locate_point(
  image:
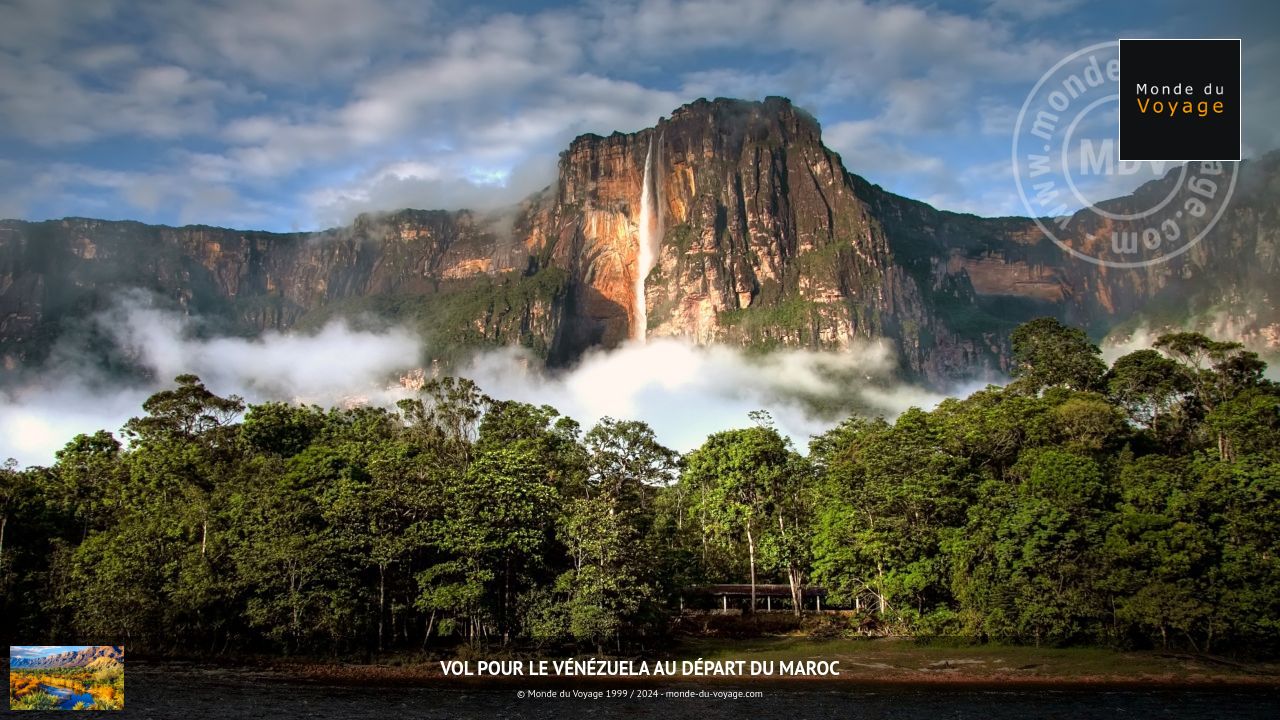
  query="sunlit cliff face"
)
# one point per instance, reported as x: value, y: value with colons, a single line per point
x: 649, y: 240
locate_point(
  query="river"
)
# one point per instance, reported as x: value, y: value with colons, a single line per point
x: 196, y: 693
x: 67, y: 699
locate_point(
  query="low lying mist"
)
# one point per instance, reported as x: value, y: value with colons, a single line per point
x: 1218, y: 326
x: 683, y: 390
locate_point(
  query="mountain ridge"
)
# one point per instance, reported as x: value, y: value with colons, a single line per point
x: 92, y: 656
x: 766, y: 240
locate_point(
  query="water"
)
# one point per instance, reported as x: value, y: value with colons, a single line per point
x: 196, y: 693
x: 649, y: 240
x: 67, y: 699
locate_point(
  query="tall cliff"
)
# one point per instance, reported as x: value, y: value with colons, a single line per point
x: 728, y: 222
x: 765, y: 239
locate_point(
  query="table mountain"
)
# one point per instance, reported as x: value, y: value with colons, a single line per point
x: 745, y: 229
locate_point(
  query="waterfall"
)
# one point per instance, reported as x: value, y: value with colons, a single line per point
x: 650, y: 237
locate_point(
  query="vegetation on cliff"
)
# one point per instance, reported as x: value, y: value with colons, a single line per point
x: 466, y: 315
x: 1133, y: 506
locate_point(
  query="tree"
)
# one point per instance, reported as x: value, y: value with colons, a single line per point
x: 1240, y: 497
x: 1158, y: 550
x: 1195, y: 349
x: 888, y: 494
x: 13, y: 488
x: 1147, y: 385
x: 92, y: 476
x: 1233, y: 371
x: 1148, y: 515
x: 608, y: 588
x: 738, y: 474
x: 383, y: 513
x: 610, y: 584
x: 790, y: 548
x: 495, y: 534
x: 280, y: 428
x: 9, y: 490
x: 626, y: 461
x: 188, y: 411
x: 1047, y: 353
x: 1248, y: 423
x: 1026, y: 562
x: 1087, y: 423
x: 296, y: 587
x: 446, y: 417
x: 181, y: 443
x: 993, y: 426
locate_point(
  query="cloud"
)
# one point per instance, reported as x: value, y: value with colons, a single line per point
x: 51, y: 104
x: 296, y: 112
x: 121, y: 194
x: 73, y: 396
x: 1236, y: 324
x: 979, y: 189
x: 806, y: 391
x: 294, y: 42
x: 1032, y: 9
x: 26, y: 652
x: 893, y: 40
x: 423, y: 185
x: 864, y: 147
x: 659, y: 381
x: 43, y: 28
x: 922, y: 105
x: 299, y: 366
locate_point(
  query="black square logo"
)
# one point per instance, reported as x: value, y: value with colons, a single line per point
x: 1180, y: 99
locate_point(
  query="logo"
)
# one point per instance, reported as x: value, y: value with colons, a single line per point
x: 1180, y: 99
x: 1082, y: 196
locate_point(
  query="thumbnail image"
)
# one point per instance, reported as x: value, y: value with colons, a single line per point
x: 66, y: 677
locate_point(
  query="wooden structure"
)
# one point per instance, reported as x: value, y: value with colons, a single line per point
x: 739, y: 596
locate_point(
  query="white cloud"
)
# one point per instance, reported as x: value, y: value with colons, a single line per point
x: 294, y: 42
x: 980, y: 189
x: 304, y: 100
x: 656, y: 383
x: 42, y: 28
x: 105, y: 58
x: 866, y: 149
x: 1033, y: 9
x: 50, y: 106
x: 418, y: 184
x: 40, y: 417
x: 198, y: 198
x: 921, y: 105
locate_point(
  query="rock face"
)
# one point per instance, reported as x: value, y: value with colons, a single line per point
x: 459, y: 275
x: 766, y: 241
x: 762, y: 238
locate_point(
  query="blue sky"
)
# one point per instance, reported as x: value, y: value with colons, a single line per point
x: 39, y: 651
x: 297, y: 114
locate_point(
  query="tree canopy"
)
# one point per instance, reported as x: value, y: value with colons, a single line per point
x: 1135, y: 505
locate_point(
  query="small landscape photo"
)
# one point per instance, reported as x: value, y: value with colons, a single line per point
x: 66, y: 677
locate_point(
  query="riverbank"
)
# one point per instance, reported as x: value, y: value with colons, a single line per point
x: 867, y: 661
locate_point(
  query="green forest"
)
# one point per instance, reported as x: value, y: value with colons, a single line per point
x: 1130, y: 506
